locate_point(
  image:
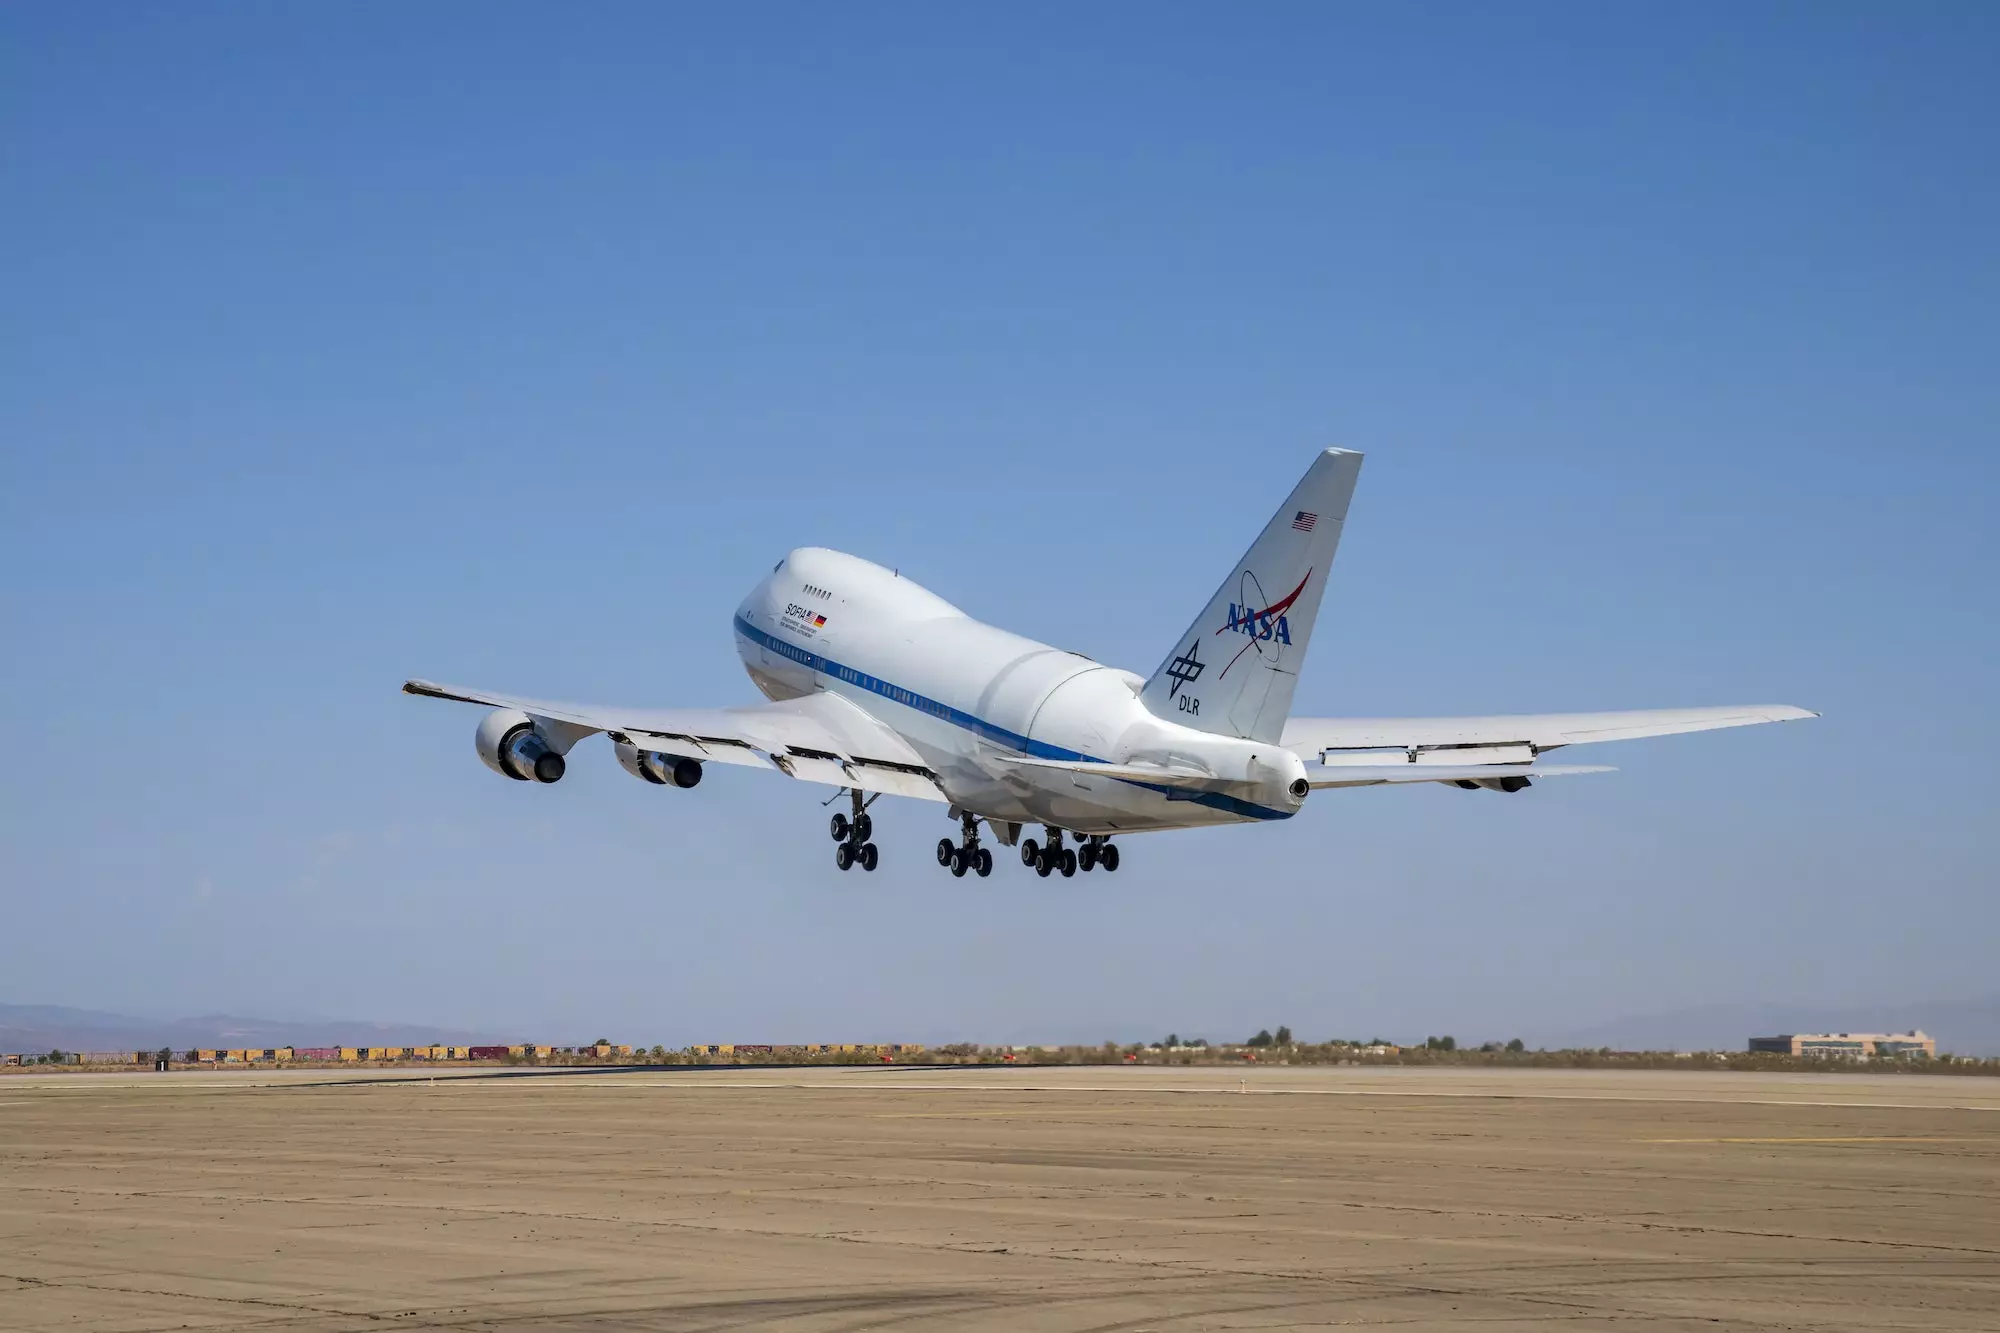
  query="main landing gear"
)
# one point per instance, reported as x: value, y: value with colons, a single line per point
x: 1092, y: 850
x: 852, y: 833
x: 968, y: 854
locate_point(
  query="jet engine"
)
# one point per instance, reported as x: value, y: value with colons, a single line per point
x: 662, y: 770
x: 511, y: 745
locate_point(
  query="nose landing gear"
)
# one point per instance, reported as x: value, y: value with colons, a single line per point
x: 853, y: 832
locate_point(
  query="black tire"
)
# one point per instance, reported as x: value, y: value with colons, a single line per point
x: 1030, y: 850
x: 1045, y: 865
x: 985, y: 865
x: 1068, y: 862
x: 944, y: 851
x: 837, y: 826
x: 958, y: 864
x: 864, y: 827
x: 843, y: 855
x: 1108, y: 858
x: 1086, y: 857
x: 869, y: 856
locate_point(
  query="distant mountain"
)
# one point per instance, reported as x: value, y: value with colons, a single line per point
x: 44, y: 1027
x: 1962, y: 1027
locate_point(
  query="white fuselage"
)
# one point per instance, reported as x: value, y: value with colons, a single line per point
x: 966, y: 696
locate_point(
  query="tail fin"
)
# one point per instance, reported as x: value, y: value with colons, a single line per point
x: 1233, y: 671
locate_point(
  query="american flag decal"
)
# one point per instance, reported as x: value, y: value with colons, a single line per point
x: 1304, y: 521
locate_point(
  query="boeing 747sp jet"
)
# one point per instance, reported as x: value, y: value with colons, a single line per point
x: 879, y: 686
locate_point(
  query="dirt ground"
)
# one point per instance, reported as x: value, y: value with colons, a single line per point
x: 1059, y: 1199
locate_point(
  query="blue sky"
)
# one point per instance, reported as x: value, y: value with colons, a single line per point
x: 509, y: 345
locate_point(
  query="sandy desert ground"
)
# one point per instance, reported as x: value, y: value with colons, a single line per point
x: 1059, y: 1199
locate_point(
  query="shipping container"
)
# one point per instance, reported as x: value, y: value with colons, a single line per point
x: 488, y: 1052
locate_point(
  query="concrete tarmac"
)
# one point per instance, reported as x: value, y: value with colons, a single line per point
x: 1058, y: 1199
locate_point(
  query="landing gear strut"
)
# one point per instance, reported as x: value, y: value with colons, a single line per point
x: 1048, y: 859
x: 852, y: 833
x: 1092, y: 850
x: 968, y: 855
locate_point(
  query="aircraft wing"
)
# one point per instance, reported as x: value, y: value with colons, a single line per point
x: 1545, y: 731
x: 818, y: 738
x: 1361, y: 751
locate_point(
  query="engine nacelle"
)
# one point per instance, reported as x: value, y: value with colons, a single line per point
x: 662, y: 770
x: 1512, y: 782
x: 511, y: 746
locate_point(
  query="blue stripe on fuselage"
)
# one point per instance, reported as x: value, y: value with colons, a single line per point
x: 985, y: 730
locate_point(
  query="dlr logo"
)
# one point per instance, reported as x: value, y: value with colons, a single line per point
x: 1190, y: 704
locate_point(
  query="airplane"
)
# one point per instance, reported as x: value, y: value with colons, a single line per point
x: 878, y: 686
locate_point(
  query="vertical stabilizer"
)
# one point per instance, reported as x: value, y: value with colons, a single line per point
x: 1233, y: 671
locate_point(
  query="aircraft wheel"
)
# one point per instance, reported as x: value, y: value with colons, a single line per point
x: 843, y: 855
x: 1030, y: 851
x: 837, y: 826
x: 1068, y: 863
x: 864, y: 827
x: 945, y: 850
x: 959, y: 864
x: 1108, y: 857
x: 869, y: 856
x: 1045, y: 864
x: 1086, y: 856
x: 985, y: 866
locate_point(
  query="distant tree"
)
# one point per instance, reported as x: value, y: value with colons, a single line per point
x: 1199, y: 1043
x: 1284, y: 1037
x: 659, y: 1052
x: 1517, y: 1046
x: 1440, y: 1043
x: 1173, y: 1040
x: 1262, y: 1039
x: 602, y: 1041
x: 1488, y: 1047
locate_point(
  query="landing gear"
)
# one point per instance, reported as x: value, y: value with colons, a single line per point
x: 1097, y: 851
x: 852, y: 833
x: 1051, y: 857
x: 967, y: 855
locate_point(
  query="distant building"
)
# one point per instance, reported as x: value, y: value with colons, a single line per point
x: 1854, y: 1045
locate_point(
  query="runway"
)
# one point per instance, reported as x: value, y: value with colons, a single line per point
x: 1058, y: 1199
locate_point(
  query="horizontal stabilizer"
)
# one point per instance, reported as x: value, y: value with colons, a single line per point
x: 1348, y: 775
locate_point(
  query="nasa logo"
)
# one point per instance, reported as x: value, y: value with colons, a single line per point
x: 1262, y: 620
